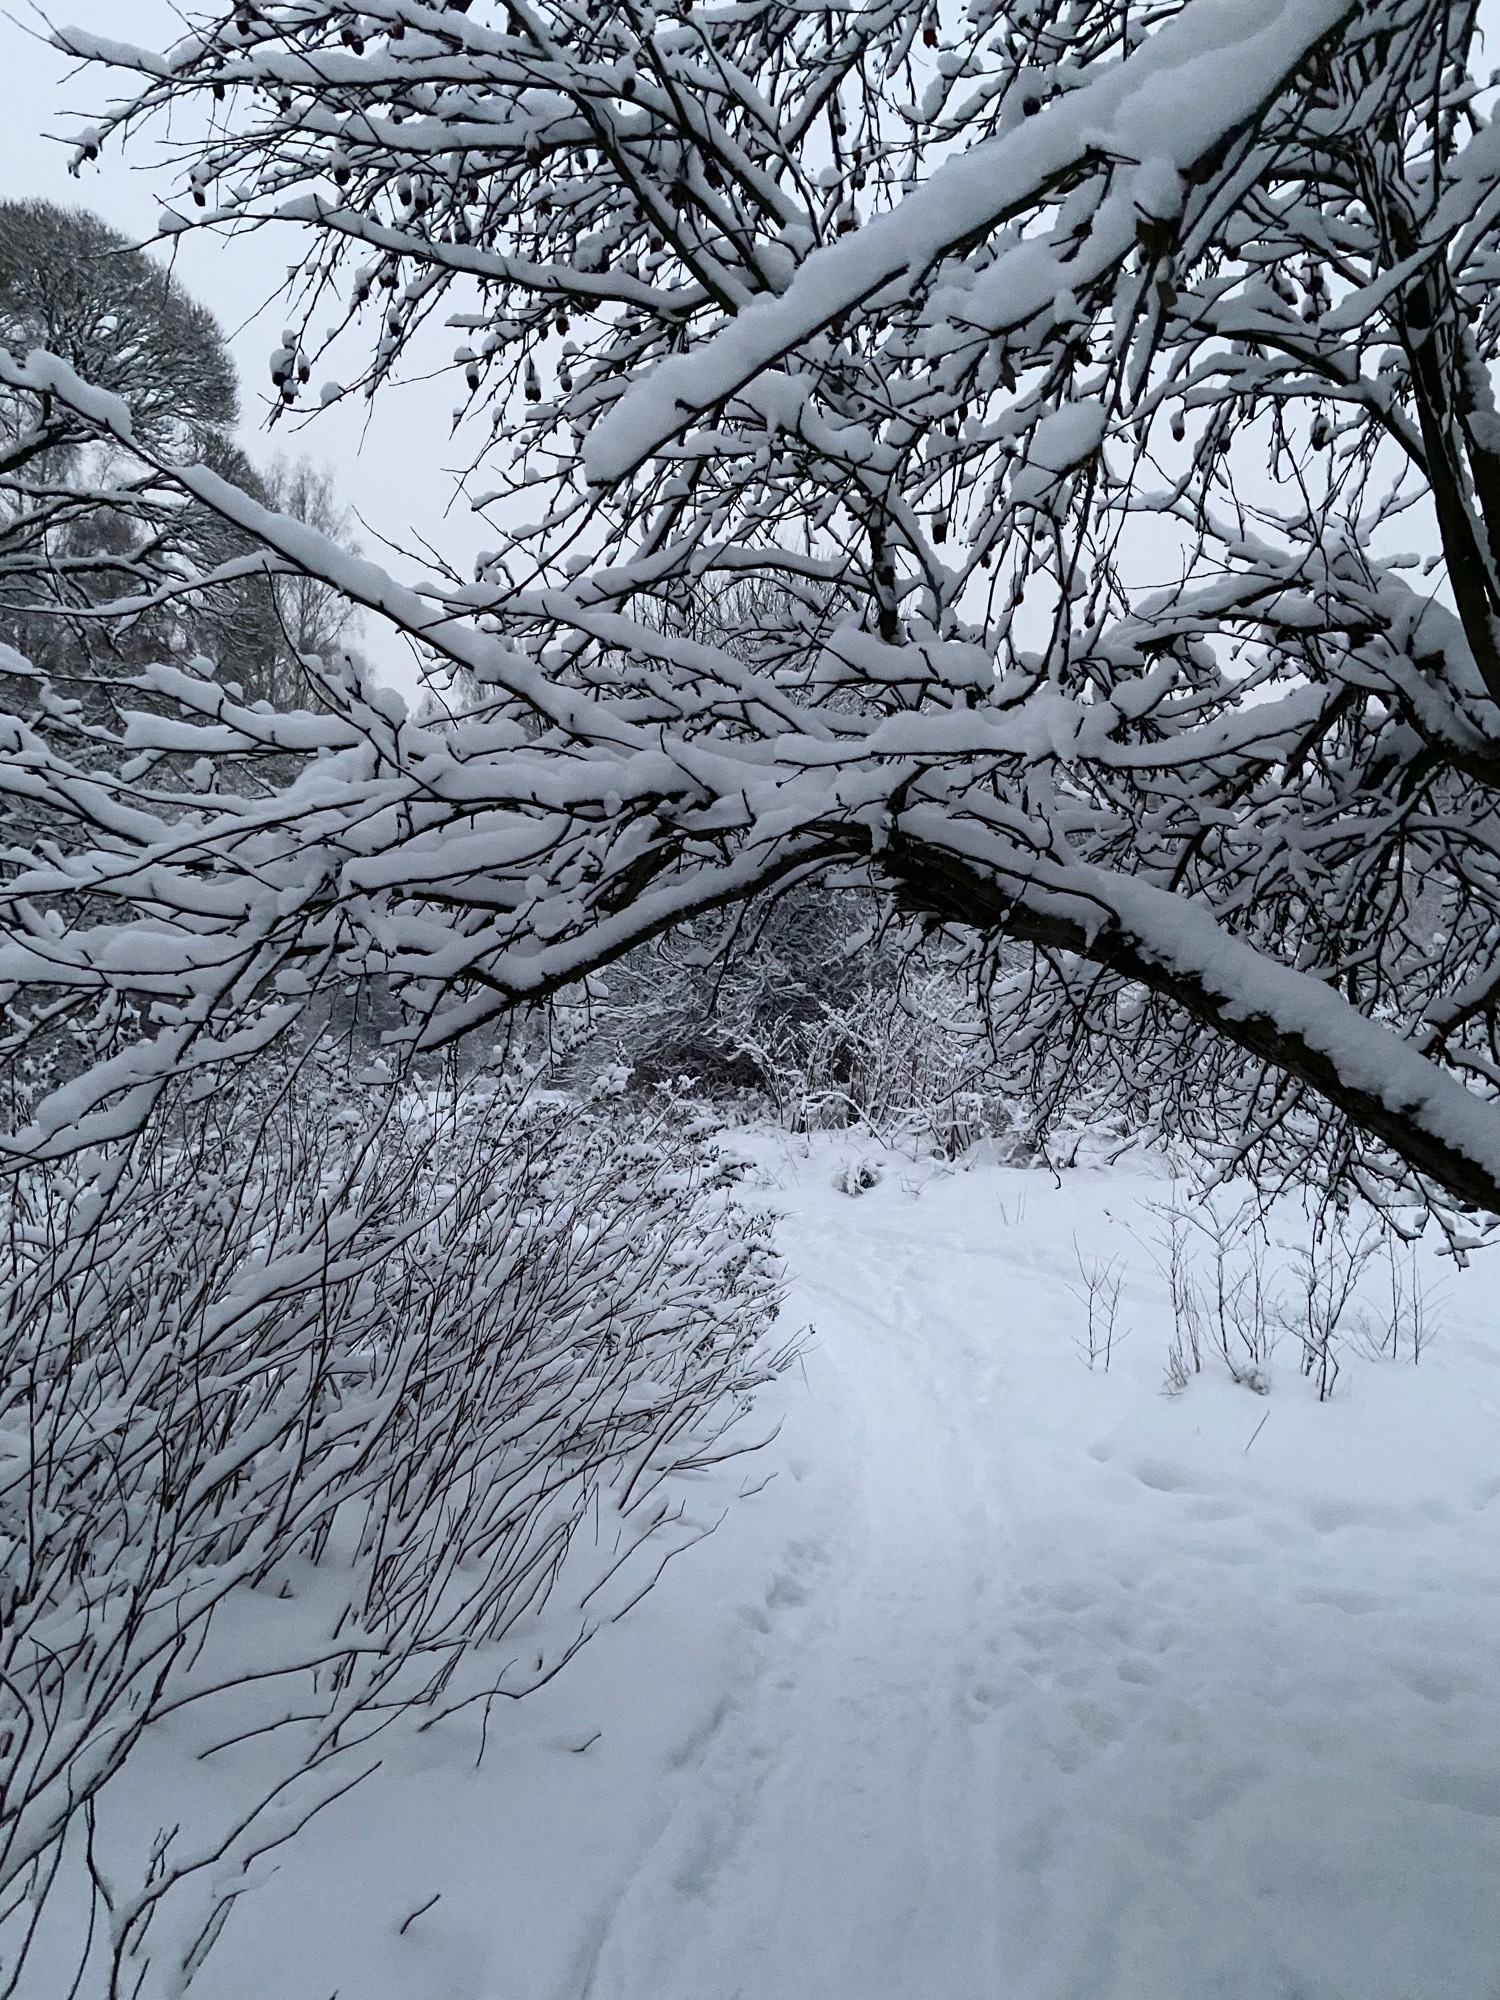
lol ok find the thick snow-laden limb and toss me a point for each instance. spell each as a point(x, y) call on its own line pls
point(1272, 1011)
point(1171, 106)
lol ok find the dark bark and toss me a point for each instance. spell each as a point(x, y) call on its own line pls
point(943, 886)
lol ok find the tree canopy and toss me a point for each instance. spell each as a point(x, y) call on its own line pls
point(71, 284)
point(83, 529)
point(1098, 397)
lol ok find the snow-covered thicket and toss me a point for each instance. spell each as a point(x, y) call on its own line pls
point(406, 1360)
point(808, 1015)
point(910, 1063)
point(1066, 379)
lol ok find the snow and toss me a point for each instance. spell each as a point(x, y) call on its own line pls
point(47, 374)
point(1012, 1679)
point(1063, 439)
point(1067, 436)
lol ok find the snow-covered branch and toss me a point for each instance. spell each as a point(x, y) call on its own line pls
point(852, 387)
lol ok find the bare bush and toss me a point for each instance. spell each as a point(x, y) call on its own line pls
point(408, 1344)
point(1098, 1290)
point(1185, 1354)
point(1327, 1273)
point(1235, 1311)
point(1178, 1372)
point(1404, 1319)
point(1245, 1300)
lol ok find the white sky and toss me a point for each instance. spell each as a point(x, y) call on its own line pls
point(389, 464)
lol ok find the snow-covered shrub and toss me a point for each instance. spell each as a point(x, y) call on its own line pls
point(909, 1061)
point(857, 1177)
point(703, 1003)
point(388, 1350)
point(812, 1014)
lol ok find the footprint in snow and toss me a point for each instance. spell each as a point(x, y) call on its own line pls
point(1162, 1476)
point(1475, 1792)
point(1433, 1683)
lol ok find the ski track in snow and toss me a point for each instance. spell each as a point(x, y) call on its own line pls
point(1016, 1681)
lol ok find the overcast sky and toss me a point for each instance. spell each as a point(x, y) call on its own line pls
point(390, 465)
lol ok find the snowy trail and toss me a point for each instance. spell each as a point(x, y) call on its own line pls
point(1058, 1706)
point(828, 1843)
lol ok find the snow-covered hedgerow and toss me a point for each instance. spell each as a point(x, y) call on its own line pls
point(384, 1351)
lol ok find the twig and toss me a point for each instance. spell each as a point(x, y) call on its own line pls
point(420, 1911)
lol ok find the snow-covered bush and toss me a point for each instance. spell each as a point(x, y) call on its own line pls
point(701, 1003)
point(910, 1062)
point(816, 1017)
point(388, 1351)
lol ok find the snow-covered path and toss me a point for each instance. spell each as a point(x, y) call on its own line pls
point(835, 1837)
point(1072, 1694)
point(1013, 1680)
